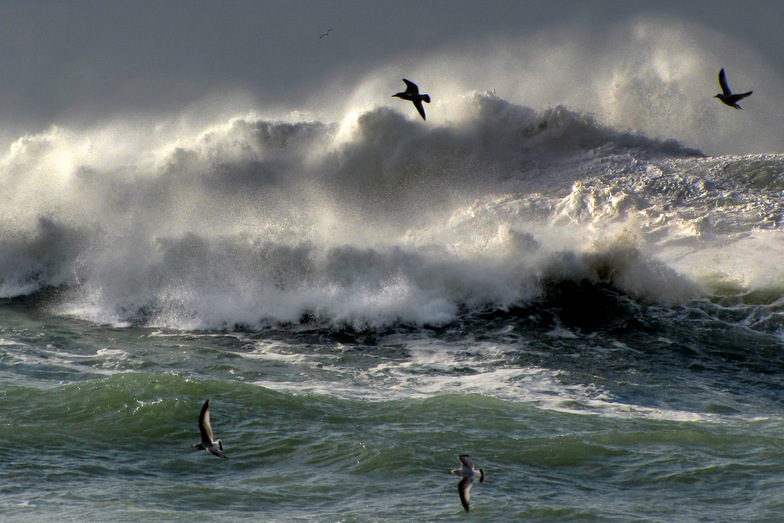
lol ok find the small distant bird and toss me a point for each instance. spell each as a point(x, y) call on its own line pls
point(412, 95)
point(468, 473)
point(325, 33)
point(726, 95)
point(205, 428)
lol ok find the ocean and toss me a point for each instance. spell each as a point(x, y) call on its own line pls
point(593, 314)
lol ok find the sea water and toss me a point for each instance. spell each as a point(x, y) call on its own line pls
point(593, 314)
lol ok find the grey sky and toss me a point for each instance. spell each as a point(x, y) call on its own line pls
point(81, 61)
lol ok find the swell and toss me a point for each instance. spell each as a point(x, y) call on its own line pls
point(120, 412)
point(126, 449)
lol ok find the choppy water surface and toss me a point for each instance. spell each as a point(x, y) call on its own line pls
point(631, 422)
point(594, 315)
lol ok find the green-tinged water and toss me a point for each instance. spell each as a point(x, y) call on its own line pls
point(119, 448)
point(98, 424)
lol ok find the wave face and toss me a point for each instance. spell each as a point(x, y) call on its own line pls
point(379, 221)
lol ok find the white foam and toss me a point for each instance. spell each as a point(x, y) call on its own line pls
point(256, 222)
point(30, 356)
point(430, 371)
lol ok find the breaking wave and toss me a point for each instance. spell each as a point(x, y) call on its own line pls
point(366, 217)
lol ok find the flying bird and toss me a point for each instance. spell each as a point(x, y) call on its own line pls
point(325, 33)
point(467, 474)
point(726, 95)
point(207, 443)
point(412, 95)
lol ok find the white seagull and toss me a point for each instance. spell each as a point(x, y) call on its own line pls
point(467, 474)
point(207, 443)
point(726, 95)
point(412, 95)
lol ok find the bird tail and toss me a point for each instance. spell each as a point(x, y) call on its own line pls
point(426, 98)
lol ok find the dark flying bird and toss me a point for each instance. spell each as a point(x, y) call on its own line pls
point(412, 95)
point(207, 443)
point(325, 33)
point(726, 95)
point(467, 474)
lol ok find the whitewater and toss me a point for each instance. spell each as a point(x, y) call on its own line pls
point(579, 288)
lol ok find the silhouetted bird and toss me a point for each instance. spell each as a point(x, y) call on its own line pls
point(325, 33)
point(412, 95)
point(205, 428)
point(726, 95)
point(467, 472)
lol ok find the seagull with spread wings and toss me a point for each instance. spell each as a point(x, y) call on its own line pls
point(412, 95)
point(726, 96)
point(207, 443)
point(467, 475)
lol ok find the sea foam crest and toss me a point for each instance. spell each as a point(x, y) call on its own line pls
point(252, 222)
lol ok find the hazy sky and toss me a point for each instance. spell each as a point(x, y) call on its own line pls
point(86, 60)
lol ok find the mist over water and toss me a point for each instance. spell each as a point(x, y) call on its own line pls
point(655, 76)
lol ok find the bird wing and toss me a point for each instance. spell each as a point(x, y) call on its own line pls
point(465, 459)
point(418, 105)
point(217, 452)
point(411, 87)
point(464, 489)
point(204, 423)
point(725, 89)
